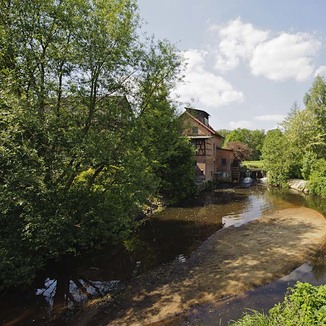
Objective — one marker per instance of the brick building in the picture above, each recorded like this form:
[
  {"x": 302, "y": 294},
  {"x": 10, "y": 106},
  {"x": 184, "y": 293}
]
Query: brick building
[{"x": 212, "y": 161}]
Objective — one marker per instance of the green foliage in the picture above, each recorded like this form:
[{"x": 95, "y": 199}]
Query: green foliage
[
  {"x": 315, "y": 101},
  {"x": 317, "y": 180},
  {"x": 224, "y": 133},
  {"x": 303, "y": 305},
  {"x": 241, "y": 151},
  {"x": 254, "y": 318},
  {"x": 308, "y": 162},
  {"x": 171, "y": 159},
  {"x": 77, "y": 160},
  {"x": 253, "y": 164},
  {"x": 179, "y": 173},
  {"x": 304, "y": 133},
  {"x": 254, "y": 139},
  {"x": 274, "y": 154}
]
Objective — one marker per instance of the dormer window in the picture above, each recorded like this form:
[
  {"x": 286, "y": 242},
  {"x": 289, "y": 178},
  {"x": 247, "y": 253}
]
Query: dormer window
[{"x": 205, "y": 121}]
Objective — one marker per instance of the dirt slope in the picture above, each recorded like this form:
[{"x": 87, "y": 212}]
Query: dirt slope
[{"x": 228, "y": 263}]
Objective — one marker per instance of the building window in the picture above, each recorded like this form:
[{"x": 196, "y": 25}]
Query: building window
[
  {"x": 195, "y": 131},
  {"x": 200, "y": 146},
  {"x": 223, "y": 161}
]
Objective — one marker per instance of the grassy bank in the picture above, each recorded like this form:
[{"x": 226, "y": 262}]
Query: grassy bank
[{"x": 253, "y": 164}]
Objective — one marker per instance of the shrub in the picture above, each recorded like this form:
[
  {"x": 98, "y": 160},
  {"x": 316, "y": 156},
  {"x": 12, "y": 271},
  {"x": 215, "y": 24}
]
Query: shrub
[
  {"x": 303, "y": 305},
  {"x": 308, "y": 161},
  {"x": 317, "y": 181}
]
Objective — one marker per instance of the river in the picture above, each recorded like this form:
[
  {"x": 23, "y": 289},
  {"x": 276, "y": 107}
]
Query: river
[{"x": 169, "y": 235}]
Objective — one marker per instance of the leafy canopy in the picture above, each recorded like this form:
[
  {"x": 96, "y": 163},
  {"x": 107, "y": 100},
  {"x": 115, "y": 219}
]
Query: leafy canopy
[{"x": 88, "y": 131}]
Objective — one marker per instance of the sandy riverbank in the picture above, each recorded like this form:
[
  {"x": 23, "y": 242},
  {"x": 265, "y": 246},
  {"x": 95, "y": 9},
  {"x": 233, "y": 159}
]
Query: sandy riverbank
[{"x": 228, "y": 263}]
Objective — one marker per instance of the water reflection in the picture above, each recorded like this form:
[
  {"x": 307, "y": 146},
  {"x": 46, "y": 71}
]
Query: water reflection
[
  {"x": 170, "y": 235},
  {"x": 75, "y": 292}
]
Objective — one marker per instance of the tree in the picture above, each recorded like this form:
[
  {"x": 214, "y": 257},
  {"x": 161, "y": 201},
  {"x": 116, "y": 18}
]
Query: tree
[
  {"x": 274, "y": 154},
  {"x": 171, "y": 156},
  {"x": 88, "y": 133},
  {"x": 300, "y": 150},
  {"x": 315, "y": 102},
  {"x": 241, "y": 151},
  {"x": 303, "y": 130},
  {"x": 253, "y": 138},
  {"x": 70, "y": 173},
  {"x": 224, "y": 133}
]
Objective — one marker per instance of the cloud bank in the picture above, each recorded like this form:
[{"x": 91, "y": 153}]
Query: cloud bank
[
  {"x": 276, "y": 56},
  {"x": 204, "y": 86},
  {"x": 280, "y": 57}
]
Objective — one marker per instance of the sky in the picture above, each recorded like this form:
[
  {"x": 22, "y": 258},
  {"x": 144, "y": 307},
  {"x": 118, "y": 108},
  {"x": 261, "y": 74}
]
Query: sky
[{"x": 248, "y": 61}]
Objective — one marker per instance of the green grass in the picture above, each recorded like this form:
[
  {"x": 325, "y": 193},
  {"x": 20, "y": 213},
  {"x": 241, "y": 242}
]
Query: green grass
[
  {"x": 253, "y": 164},
  {"x": 254, "y": 318}
]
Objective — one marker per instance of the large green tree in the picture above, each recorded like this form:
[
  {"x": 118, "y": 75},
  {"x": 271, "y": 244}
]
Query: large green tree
[
  {"x": 170, "y": 155},
  {"x": 315, "y": 103},
  {"x": 274, "y": 155},
  {"x": 81, "y": 128}
]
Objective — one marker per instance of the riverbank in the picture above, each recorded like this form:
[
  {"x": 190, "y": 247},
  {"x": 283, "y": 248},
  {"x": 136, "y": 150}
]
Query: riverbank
[{"x": 228, "y": 263}]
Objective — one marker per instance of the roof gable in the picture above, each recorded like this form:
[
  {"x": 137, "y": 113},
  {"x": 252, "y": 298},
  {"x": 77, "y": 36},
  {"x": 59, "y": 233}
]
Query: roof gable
[{"x": 207, "y": 127}]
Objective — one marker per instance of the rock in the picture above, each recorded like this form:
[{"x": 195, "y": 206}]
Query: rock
[{"x": 299, "y": 185}]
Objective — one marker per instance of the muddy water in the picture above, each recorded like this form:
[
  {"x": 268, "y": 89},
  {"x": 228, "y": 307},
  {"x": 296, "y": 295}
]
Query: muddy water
[{"x": 169, "y": 235}]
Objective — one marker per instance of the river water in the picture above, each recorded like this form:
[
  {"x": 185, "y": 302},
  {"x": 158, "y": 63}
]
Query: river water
[{"x": 169, "y": 235}]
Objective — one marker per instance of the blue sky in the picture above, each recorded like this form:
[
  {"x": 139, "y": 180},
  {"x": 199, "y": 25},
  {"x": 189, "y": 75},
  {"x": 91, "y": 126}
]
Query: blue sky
[{"x": 248, "y": 60}]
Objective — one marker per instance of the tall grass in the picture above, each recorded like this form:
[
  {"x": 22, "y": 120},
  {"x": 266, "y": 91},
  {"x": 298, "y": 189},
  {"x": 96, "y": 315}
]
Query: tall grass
[{"x": 254, "y": 318}]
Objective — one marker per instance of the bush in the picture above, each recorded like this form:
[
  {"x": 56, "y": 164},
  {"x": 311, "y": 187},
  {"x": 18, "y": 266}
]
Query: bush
[
  {"x": 303, "y": 305},
  {"x": 308, "y": 161},
  {"x": 317, "y": 181}
]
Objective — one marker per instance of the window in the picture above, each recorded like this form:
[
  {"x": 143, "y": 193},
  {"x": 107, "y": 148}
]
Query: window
[
  {"x": 200, "y": 146},
  {"x": 195, "y": 131},
  {"x": 223, "y": 161}
]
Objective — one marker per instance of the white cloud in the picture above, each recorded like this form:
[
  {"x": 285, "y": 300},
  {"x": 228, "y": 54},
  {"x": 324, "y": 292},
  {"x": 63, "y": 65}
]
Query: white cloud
[
  {"x": 275, "y": 57},
  {"x": 286, "y": 56},
  {"x": 204, "y": 86},
  {"x": 320, "y": 71},
  {"x": 270, "y": 117},
  {"x": 241, "y": 124},
  {"x": 238, "y": 40}
]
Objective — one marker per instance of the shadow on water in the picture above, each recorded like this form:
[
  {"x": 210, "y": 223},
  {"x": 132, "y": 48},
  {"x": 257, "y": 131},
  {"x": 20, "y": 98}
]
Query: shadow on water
[{"x": 169, "y": 235}]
